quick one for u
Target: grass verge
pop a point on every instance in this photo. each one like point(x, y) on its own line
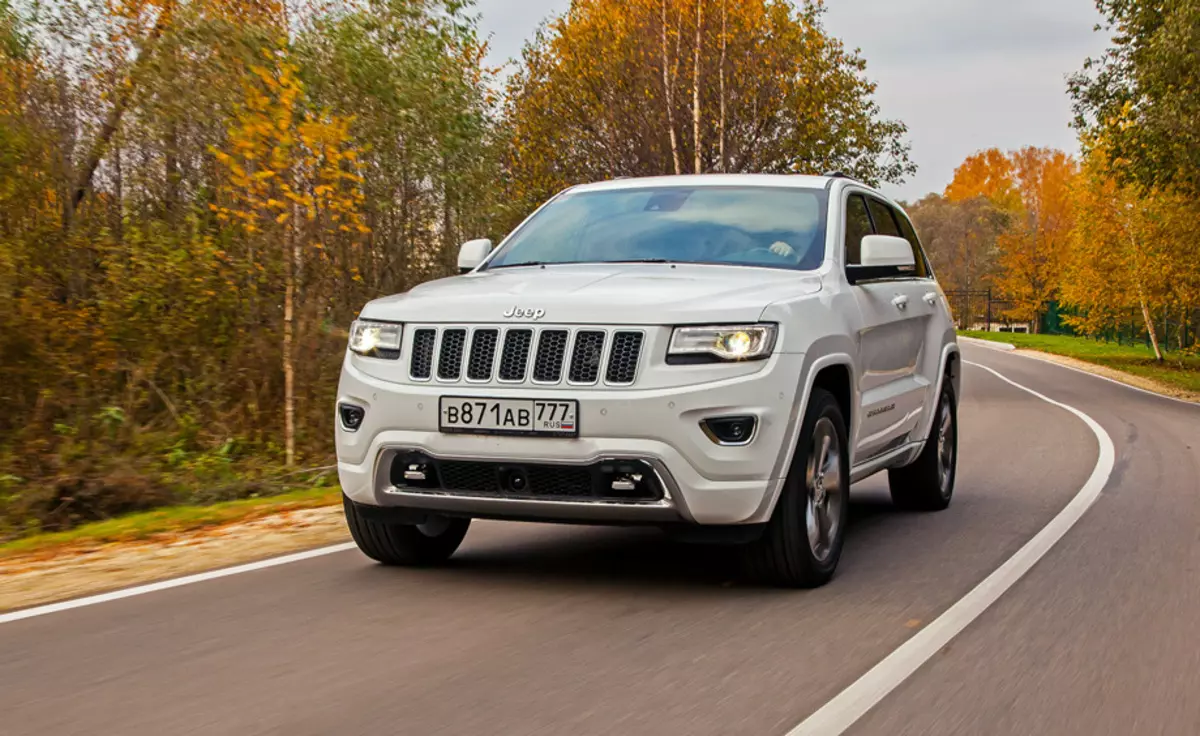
point(170, 521)
point(1176, 371)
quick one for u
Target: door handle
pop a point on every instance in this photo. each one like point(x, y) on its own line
point(901, 302)
point(930, 298)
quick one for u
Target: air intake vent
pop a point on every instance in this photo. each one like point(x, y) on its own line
point(421, 365)
point(585, 361)
point(551, 354)
point(450, 357)
point(623, 361)
point(483, 355)
point(515, 357)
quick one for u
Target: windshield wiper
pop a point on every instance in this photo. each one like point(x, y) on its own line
point(519, 264)
point(577, 263)
point(641, 260)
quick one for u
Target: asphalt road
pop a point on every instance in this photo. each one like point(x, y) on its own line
point(566, 630)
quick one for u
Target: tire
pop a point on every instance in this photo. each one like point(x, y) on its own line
point(410, 545)
point(801, 544)
point(927, 484)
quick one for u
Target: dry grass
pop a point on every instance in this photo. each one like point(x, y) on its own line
point(86, 566)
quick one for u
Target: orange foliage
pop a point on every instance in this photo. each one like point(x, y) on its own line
point(1033, 186)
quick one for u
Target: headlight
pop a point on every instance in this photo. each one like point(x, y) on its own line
point(376, 339)
point(733, 342)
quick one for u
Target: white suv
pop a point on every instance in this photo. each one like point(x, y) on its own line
point(718, 355)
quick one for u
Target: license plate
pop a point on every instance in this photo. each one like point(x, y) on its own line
point(509, 416)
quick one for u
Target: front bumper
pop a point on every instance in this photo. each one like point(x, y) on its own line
point(703, 482)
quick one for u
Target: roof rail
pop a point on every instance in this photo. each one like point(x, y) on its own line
point(838, 175)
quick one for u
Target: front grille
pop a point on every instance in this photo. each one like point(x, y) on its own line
point(585, 360)
point(623, 360)
point(483, 355)
point(519, 354)
point(451, 354)
point(421, 367)
point(541, 481)
point(469, 477)
point(552, 350)
point(516, 355)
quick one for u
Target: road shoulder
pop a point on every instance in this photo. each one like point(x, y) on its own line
point(34, 579)
point(1112, 374)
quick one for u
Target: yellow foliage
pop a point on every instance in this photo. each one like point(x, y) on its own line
point(311, 155)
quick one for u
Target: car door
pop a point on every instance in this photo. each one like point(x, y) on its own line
point(938, 322)
point(894, 319)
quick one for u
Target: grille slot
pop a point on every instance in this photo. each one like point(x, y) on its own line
point(483, 355)
point(623, 360)
point(451, 355)
point(421, 365)
point(515, 356)
point(551, 354)
point(585, 360)
point(467, 476)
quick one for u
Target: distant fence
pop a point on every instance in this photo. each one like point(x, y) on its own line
point(979, 309)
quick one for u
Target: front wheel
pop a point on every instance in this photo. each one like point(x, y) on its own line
point(393, 543)
point(802, 542)
point(928, 483)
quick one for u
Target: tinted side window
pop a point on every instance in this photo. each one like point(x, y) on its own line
point(910, 234)
point(858, 226)
point(885, 222)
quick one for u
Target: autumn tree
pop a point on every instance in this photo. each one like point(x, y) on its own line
point(960, 238)
point(1142, 96)
point(1130, 249)
point(409, 75)
point(250, 177)
point(609, 89)
point(1032, 187)
point(293, 178)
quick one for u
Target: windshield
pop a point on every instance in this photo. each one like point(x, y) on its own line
point(749, 226)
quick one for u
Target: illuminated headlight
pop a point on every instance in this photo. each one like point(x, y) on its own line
point(376, 339)
point(734, 342)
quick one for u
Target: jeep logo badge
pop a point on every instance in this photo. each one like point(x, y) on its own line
point(520, 313)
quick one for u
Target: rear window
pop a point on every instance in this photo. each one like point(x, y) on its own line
point(885, 222)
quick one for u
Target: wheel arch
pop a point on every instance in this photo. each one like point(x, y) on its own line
point(835, 372)
point(950, 367)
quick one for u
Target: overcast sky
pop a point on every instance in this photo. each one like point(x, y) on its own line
point(962, 74)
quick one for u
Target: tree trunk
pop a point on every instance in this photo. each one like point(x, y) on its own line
point(724, 166)
point(668, 86)
point(112, 121)
point(119, 197)
point(1138, 271)
point(696, 85)
point(1150, 330)
point(291, 258)
point(173, 177)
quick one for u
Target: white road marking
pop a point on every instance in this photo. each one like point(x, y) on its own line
point(848, 706)
point(92, 600)
point(989, 344)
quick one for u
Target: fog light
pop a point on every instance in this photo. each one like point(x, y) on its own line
point(414, 471)
point(351, 416)
point(626, 483)
point(730, 430)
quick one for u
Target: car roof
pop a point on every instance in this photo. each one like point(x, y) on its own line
point(798, 181)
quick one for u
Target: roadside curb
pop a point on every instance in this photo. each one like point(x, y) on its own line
point(1006, 347)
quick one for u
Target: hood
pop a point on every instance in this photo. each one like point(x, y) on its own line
point(613, 294)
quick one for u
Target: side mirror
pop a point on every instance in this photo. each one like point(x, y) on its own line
point(881, 257)
point(472, 253)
